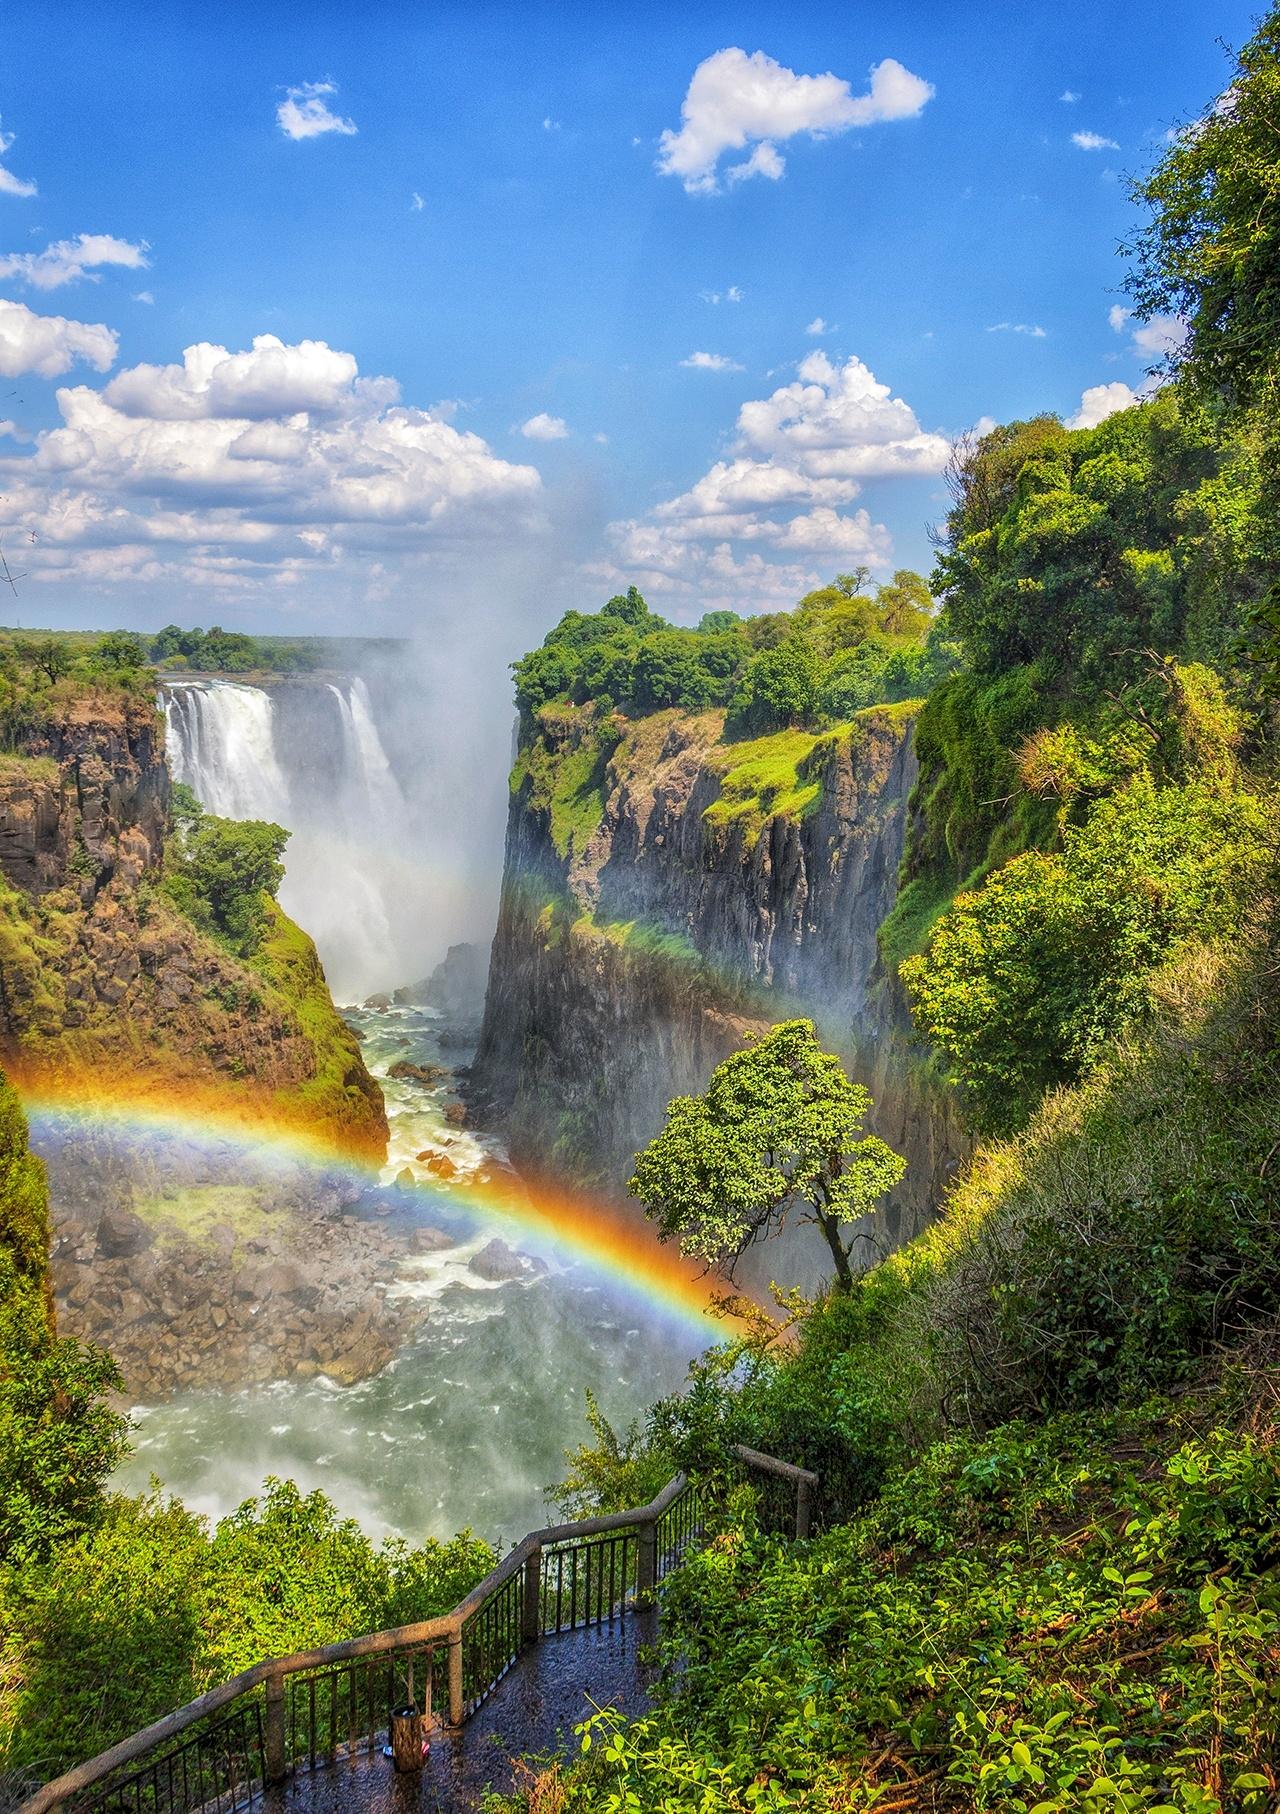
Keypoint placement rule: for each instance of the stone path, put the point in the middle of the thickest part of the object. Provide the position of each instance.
(532, 1711)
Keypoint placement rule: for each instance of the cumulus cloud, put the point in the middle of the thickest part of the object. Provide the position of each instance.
(1093, 141)
(1160, 336)
(234, 469)
(735, 100)
(840, 421)
(1117, 315)
(1069, 95)
(712, 362)
(798, 461)
(48, 344)
(714, 297)
(9, 183)
(69, 260)
(1100, 401)
(305, 112)
(543, 427)
(1018, 327)
(818, 327)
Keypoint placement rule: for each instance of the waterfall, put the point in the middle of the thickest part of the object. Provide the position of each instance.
(310, 757)
(221, 743)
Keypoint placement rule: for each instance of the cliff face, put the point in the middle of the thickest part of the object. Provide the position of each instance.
(664, 897)
(105, 987)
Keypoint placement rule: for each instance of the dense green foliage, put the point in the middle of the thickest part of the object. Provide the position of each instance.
(1078, 1615)
(219, 651)
(58, 1441)
(777, 1133)
(840, 650)
(221, 872)
(152, 1606)
(1027, 979)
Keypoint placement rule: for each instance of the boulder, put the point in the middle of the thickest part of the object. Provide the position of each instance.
(430, 1240)
(121, 1234)
(455, 1113)
(439, 1165)
(496, 1263)
(405, 1072)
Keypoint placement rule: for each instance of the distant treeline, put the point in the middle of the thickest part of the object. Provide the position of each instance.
(59, 653)
(845, 646)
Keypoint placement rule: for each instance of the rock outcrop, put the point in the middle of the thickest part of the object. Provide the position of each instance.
(635, 952)
(106, 989)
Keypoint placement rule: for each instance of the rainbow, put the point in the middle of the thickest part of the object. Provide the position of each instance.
(598, 1234)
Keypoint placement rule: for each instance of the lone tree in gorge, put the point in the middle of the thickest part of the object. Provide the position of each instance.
(777, 1134)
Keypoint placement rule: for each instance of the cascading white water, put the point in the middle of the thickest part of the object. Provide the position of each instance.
(221, 743)
(311, 759)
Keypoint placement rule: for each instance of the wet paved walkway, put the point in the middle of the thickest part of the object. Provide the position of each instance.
(532, 1711)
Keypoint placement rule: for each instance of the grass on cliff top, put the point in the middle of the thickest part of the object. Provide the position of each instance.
(643, 939)
(16, 768)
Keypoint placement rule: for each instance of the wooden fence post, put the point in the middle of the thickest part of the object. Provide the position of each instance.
(804, 1507)
(276, 1761)
(455, 1677)
(531, 1624)
(646, 1562)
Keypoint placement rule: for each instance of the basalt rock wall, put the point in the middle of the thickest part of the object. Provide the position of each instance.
(634, 953)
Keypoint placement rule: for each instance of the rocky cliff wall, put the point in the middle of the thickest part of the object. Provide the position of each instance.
(106, 989)
(663, 897)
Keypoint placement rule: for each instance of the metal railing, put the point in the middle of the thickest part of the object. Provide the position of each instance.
(297, 1712)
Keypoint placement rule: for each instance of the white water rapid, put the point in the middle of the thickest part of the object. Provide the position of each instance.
(309, 756)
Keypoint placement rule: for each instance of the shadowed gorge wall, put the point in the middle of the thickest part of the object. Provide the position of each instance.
(664, 894)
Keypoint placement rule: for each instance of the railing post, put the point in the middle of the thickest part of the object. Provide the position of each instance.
(276, 1761)
(646, 1561)
(804, 1507)
(455, 1677)
(531, 1622)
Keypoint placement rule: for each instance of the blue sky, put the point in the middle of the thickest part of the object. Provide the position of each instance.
(487, 223)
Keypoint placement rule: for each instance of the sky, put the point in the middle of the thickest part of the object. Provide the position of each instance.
(327, 319)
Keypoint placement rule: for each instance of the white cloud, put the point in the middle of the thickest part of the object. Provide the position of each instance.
(9, 183)
(712, 362)
(715, 297)
(1069, 95)
(47, 344)
(272, 379)
(735, 100)
(305, 112)
(1018, 327)
(144, 296)
(235, 469)
(1100, 401)
(416, 203)
(68, 260)
(800, 457)
(543, 427)
(818, 326)
(1117, 315)
(1162, 335)
(1093, 141)
(765, 160)
(550, 125)
(839, 421)
(10, 430)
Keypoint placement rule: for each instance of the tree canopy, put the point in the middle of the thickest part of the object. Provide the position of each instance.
(776, 1134)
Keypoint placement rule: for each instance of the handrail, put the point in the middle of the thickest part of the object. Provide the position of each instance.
(447, 1628)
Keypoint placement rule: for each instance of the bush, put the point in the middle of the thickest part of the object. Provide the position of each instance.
(1025, 980)
(220, 871)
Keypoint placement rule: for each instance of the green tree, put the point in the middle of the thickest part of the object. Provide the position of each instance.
(779, 687)
(776, 1134)
(220, 871)
(48, 655)
(121, 650)
(1027, 978)
(58, 1439)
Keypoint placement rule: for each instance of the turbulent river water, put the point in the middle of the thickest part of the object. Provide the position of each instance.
(470, 1422)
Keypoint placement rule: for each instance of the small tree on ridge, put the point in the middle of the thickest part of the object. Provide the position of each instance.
(777, 1134)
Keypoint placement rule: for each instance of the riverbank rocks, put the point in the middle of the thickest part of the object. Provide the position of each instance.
(403, 1071)
(498, 1264)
